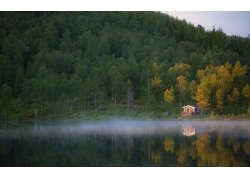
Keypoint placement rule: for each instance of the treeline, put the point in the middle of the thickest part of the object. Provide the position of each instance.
(57, 60)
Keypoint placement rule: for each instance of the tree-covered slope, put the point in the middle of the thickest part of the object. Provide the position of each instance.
(58, 60)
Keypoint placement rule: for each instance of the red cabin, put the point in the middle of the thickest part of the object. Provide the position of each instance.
(190, 110)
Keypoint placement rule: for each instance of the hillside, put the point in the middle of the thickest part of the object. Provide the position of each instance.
(57, 63)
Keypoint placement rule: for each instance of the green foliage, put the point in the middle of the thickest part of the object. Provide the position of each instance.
(85, 58)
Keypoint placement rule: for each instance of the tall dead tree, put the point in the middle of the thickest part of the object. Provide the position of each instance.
(130, 95)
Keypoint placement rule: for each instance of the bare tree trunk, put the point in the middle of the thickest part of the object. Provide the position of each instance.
(35, 112)
(79, 106)
(95, 100)
(146, 106)
(112, 93)
(129, 99)
(115, 96)
(148, 90)
(70, 106)
(5, 113)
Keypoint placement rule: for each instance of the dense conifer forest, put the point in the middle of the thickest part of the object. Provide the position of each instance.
(59, 63)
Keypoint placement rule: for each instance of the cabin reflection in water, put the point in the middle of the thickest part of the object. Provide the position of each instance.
(188, 130)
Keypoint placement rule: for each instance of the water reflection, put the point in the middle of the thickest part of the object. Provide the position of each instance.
(188, 131)
(127, 143)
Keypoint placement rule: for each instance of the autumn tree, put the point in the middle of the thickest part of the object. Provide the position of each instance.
(169, 96)
(234, 96)
(179, 69)
(213, 83)
(220, 99)
(200, 74)
(239, 75)
(224, 77)
(182, 87)
(156, 88)
(202, 96)
(192, 88)
(246, 93)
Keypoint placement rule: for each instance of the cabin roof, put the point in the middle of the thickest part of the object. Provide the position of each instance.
(190, 106)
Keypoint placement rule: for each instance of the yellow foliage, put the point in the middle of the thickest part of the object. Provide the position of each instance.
(219, 97)
(239, 71)
(225, 78)
(192, 152)
(202, 96)
(234, 97)
(235, 143)
(169, 96)
(203, 146)
(180, 69)
(225, 158)
(129, 84)
(155, 67)
(228, 67)
(246, 147)
(169, 144)
(156, 156)
(182, 85)
(213, 81)
(210, 69)
(182, 155)
(200, 74)
(219, 142)
(192, 87)
(246, 91)
(156, 82)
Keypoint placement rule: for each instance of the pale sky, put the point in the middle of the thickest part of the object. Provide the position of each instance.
(231, 22)
(232, 16)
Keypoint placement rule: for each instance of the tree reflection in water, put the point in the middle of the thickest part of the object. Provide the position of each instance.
(52, 148)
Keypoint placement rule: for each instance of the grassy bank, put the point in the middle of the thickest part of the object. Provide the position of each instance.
(109, 111)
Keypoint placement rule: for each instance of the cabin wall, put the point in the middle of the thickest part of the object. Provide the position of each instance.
(189, 111)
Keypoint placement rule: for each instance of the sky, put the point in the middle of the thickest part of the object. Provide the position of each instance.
(231, 22)
(232, 16)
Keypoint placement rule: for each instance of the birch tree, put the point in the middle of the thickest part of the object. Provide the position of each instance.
(169, 96)
(129, 95)
(202, 96)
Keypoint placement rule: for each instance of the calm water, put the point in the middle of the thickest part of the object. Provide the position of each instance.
(124, 143)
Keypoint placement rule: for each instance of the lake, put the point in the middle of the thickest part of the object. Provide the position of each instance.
(124, 143)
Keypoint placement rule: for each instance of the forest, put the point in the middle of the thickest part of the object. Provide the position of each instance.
(57, 64)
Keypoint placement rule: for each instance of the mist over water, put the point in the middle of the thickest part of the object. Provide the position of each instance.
(125, 142)
(128, 126)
